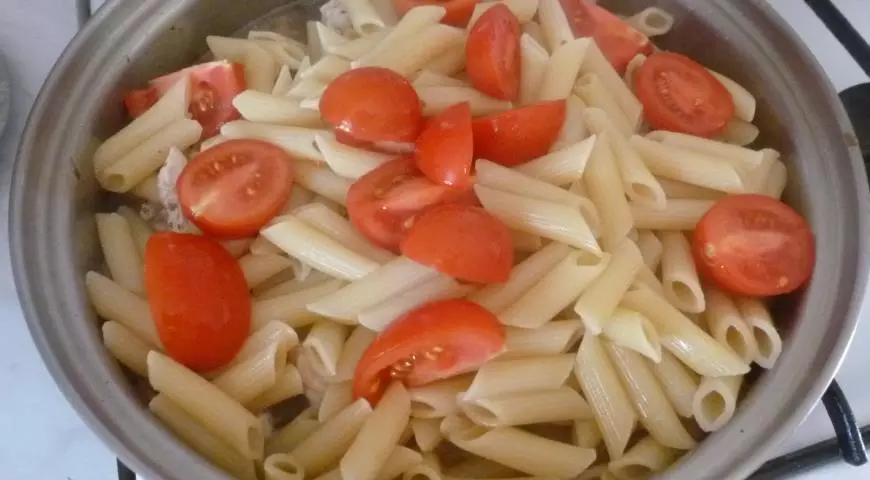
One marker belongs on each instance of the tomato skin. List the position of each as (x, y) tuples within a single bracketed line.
[(445, 149), (618, 41), (236, 187), (680, 95), (754, 245), (519, 135), (198, 298), (463, 242), (139, 101), (492, 54), (458, 11), (439, 340), (373, 104)]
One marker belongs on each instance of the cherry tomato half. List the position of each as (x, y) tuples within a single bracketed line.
[(754, 245), (618, 41), (445, 149), (373, 104), (462, 241), (236, 187), (493, 54), (519, 135), (198, 298), (436, 341), (384, 203), (680, 95), (213, 87), (458, 11)]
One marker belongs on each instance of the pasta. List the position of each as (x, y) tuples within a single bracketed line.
[(675, 189), (591, 89), (767, 339), (585, 434), (595, 63), (259, 268), (113, 302), (323, 345), (326, 220), (744, 159), (727, 326), (738, 132), (524, 10), (292, 434), (336, 397), (534, 58), (689, 166), (563, 68), (744, 101), (715, 401), (678, 215), (429, 468), (329, 442), (351, 352), (646, 458), (652, 21), (363, 16), (401, 460), (679, 273), (650, 248), (545, 406), (573, 128), (346, 161), (441, 287), (678, 382), (246, 380), (415, 21), (629, 329), (125, 346), (322, 181), (436, 99), (120, 251), (378, 436), (519, 375), (287, 384), (412, 54), (438, 399), (554, 24), (262, 107), (291, 308), (599, 300), (549, 339), (281, 466), (561, 166), (605, 189)]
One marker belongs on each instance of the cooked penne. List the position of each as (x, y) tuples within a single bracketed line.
[(604, 186), (738, 132), (679, 214), (322, 181), (524, 10), (675, 189), (288, 437), (493, 175), (287, 384), (227, 48), (648, 279), (599, 300), (585, 434), (543, 406), (563, 166), (297, 141), (363, 16), (323, 345), (715, 401), (346, 161), (378, 436), (551, 338), (326, 69), (147, 189), (573, 128), (629, 329), (767, 339), (429, 468), (412, 23), (427, 78), (126, 347), (533, 29), (335, 399), (744, 102), (356, 48), (450, 62), (679, 273), (249, 379), (592, 91), (411, 54), (528, 242), (281, 466), (353, 350), (679, 335), (775, 182), (678, 382), (259, 268), (554, 23), (556, 291), (115, 303), (321, 39), (441, 287), (650, 248), (120, 251), (290, 282), (438, 399), (436, 99), (689, 166), (291, 308), (652, 21), (563, 69), (261, 70), (427, 434), (338, 228), (262, 107), (646, 458), (283, 82), (596, 63), (534, 60), (727, 326), (261, 246), (386, 10), (632, 68), (329, 442), (400, 461), (744, 159), (306, 88), (528, 374)]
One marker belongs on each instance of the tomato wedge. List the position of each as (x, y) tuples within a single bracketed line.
[(198, 298), (618, 41), (445, 149), (213, 87), (458, 11), (439, 340), (373, 104), (236, 187), (754, 245), (680, 95), (519, 135), (462, 241), (493, 53)]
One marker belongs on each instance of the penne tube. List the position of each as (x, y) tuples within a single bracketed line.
[(631, 70), (556, 291), (236, 247), (590, 88), (346, 161), (126, 347), (322, 181), (651, 403), (338, 228), (304, 89), (259, 268), (767, 339), (554, 23), (261, 70), (428, 78), (412, 23), (335, 399), (290, 309), (563, 69), (427, 434), (227, 48), (563, 166), (678, 215), (689, 166), (478, 467), (740, 133), (378, 436), (120, 251), (502, 377), (247, 380), (261, 338), (441, 287), (493, 175), (326, 69), (290, 282), (601, 297), (675, 189), (610, 403), (585, 434), (550, 339), (323, 346), (776, 180), (534, 59), (679, 335), (429, 468), (288, 437), (604, 186), (727, 326), (438, 399), (678, 382), (527, 242), (573, 128), (631, 330), (652, 21), (320, 39), (262, 107), (401, 460), (449, 62), (534, 30), (283, 82), (436, 99), (281, 466), (357, 343), (329, 442), (387, 11), (297, 141), (357, 48), (363, 16), (679, 273), (413, 53), (744, 102), (715, 401), (545, 406), (261, 246), (288, 384), (115, 303), (596, 63), (646, 458), (650, 248), (147, 189), (744, 159), (524, 10), (646, 277)]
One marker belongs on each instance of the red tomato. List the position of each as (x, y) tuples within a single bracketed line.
[(445, 149), (233, 189), (199, 299), (458, 11), (519, 135), (438, 340), (373, 104), (213, 87), (493, 54), (461, 241), (754, 245), (619, 41), (384, 203), (680, 95)]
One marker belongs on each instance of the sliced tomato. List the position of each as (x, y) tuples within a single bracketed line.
[(373, 104), (463, 242), (519, 135), (680, 95), (439, 340), (236, 187), (445, 149), (619, 41), (198, 298), (492, 54), (384, 203), (754, 245), (458, 11), (213, 87)]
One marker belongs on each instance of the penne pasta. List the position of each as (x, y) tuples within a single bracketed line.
[(287, 384), (400, 461), (590, 88), (650, 248), (378, 436), (689, 166), (646, 458), (357, 343), (534, 30), (115, 303), (631, 330), (604, 186), (412, 23), (427, 78), (573, 128), (281, 466), (652, 21), (585, 434), (288, 437), (601, 297), (744, 159), (386, 10), (126, 347), (259, 268), (338, 228), (321, 39), (441, 287), (261, 70), (290, 282), (147, 189), (727, 326), (323, 344), (595, 63), (776, 180), (544, 406), (120, 251), (329, 442), (738, 132), (335, 399), (715, 401), (436, 99), (297, 141), (554, 23), (493, 175), (679, 383), (363, 16), (767, 338), (450, 62), (679, 273), (290, 308), (680, 214), (675, 189), (563, 69), (534, 60), (744, 102), (322, 181), (551, 338), (411, 54), (524, 10), (438, 399), (262, 107), (348, 162), (632, 68), (562, 166), (529, 374), (249, 379), (283, 82), (429, 468), (326, 69), (427, 434), (527, 242)]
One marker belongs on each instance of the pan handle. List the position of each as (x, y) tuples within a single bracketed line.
[(849, 439), (83, 11)]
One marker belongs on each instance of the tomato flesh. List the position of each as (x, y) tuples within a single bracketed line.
[(439, 340), (493, 54), (458, 11), (754, 245), (519, 135), (236, 187), (618, 41), (680, 95), (445, 149), (213, 87), (198, 298), (373, 104)]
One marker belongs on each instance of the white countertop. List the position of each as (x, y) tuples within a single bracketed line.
[(43, 439)]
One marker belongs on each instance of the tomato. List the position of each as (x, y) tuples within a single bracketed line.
[(384, 203), (458, 11), (198, 298), (754, 245), (373, 104), (618, 41), (493, 54), (680, 95), (445, 149), (213, 87), (439, 340), (236, 187), (519, 135), (464, 242)]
